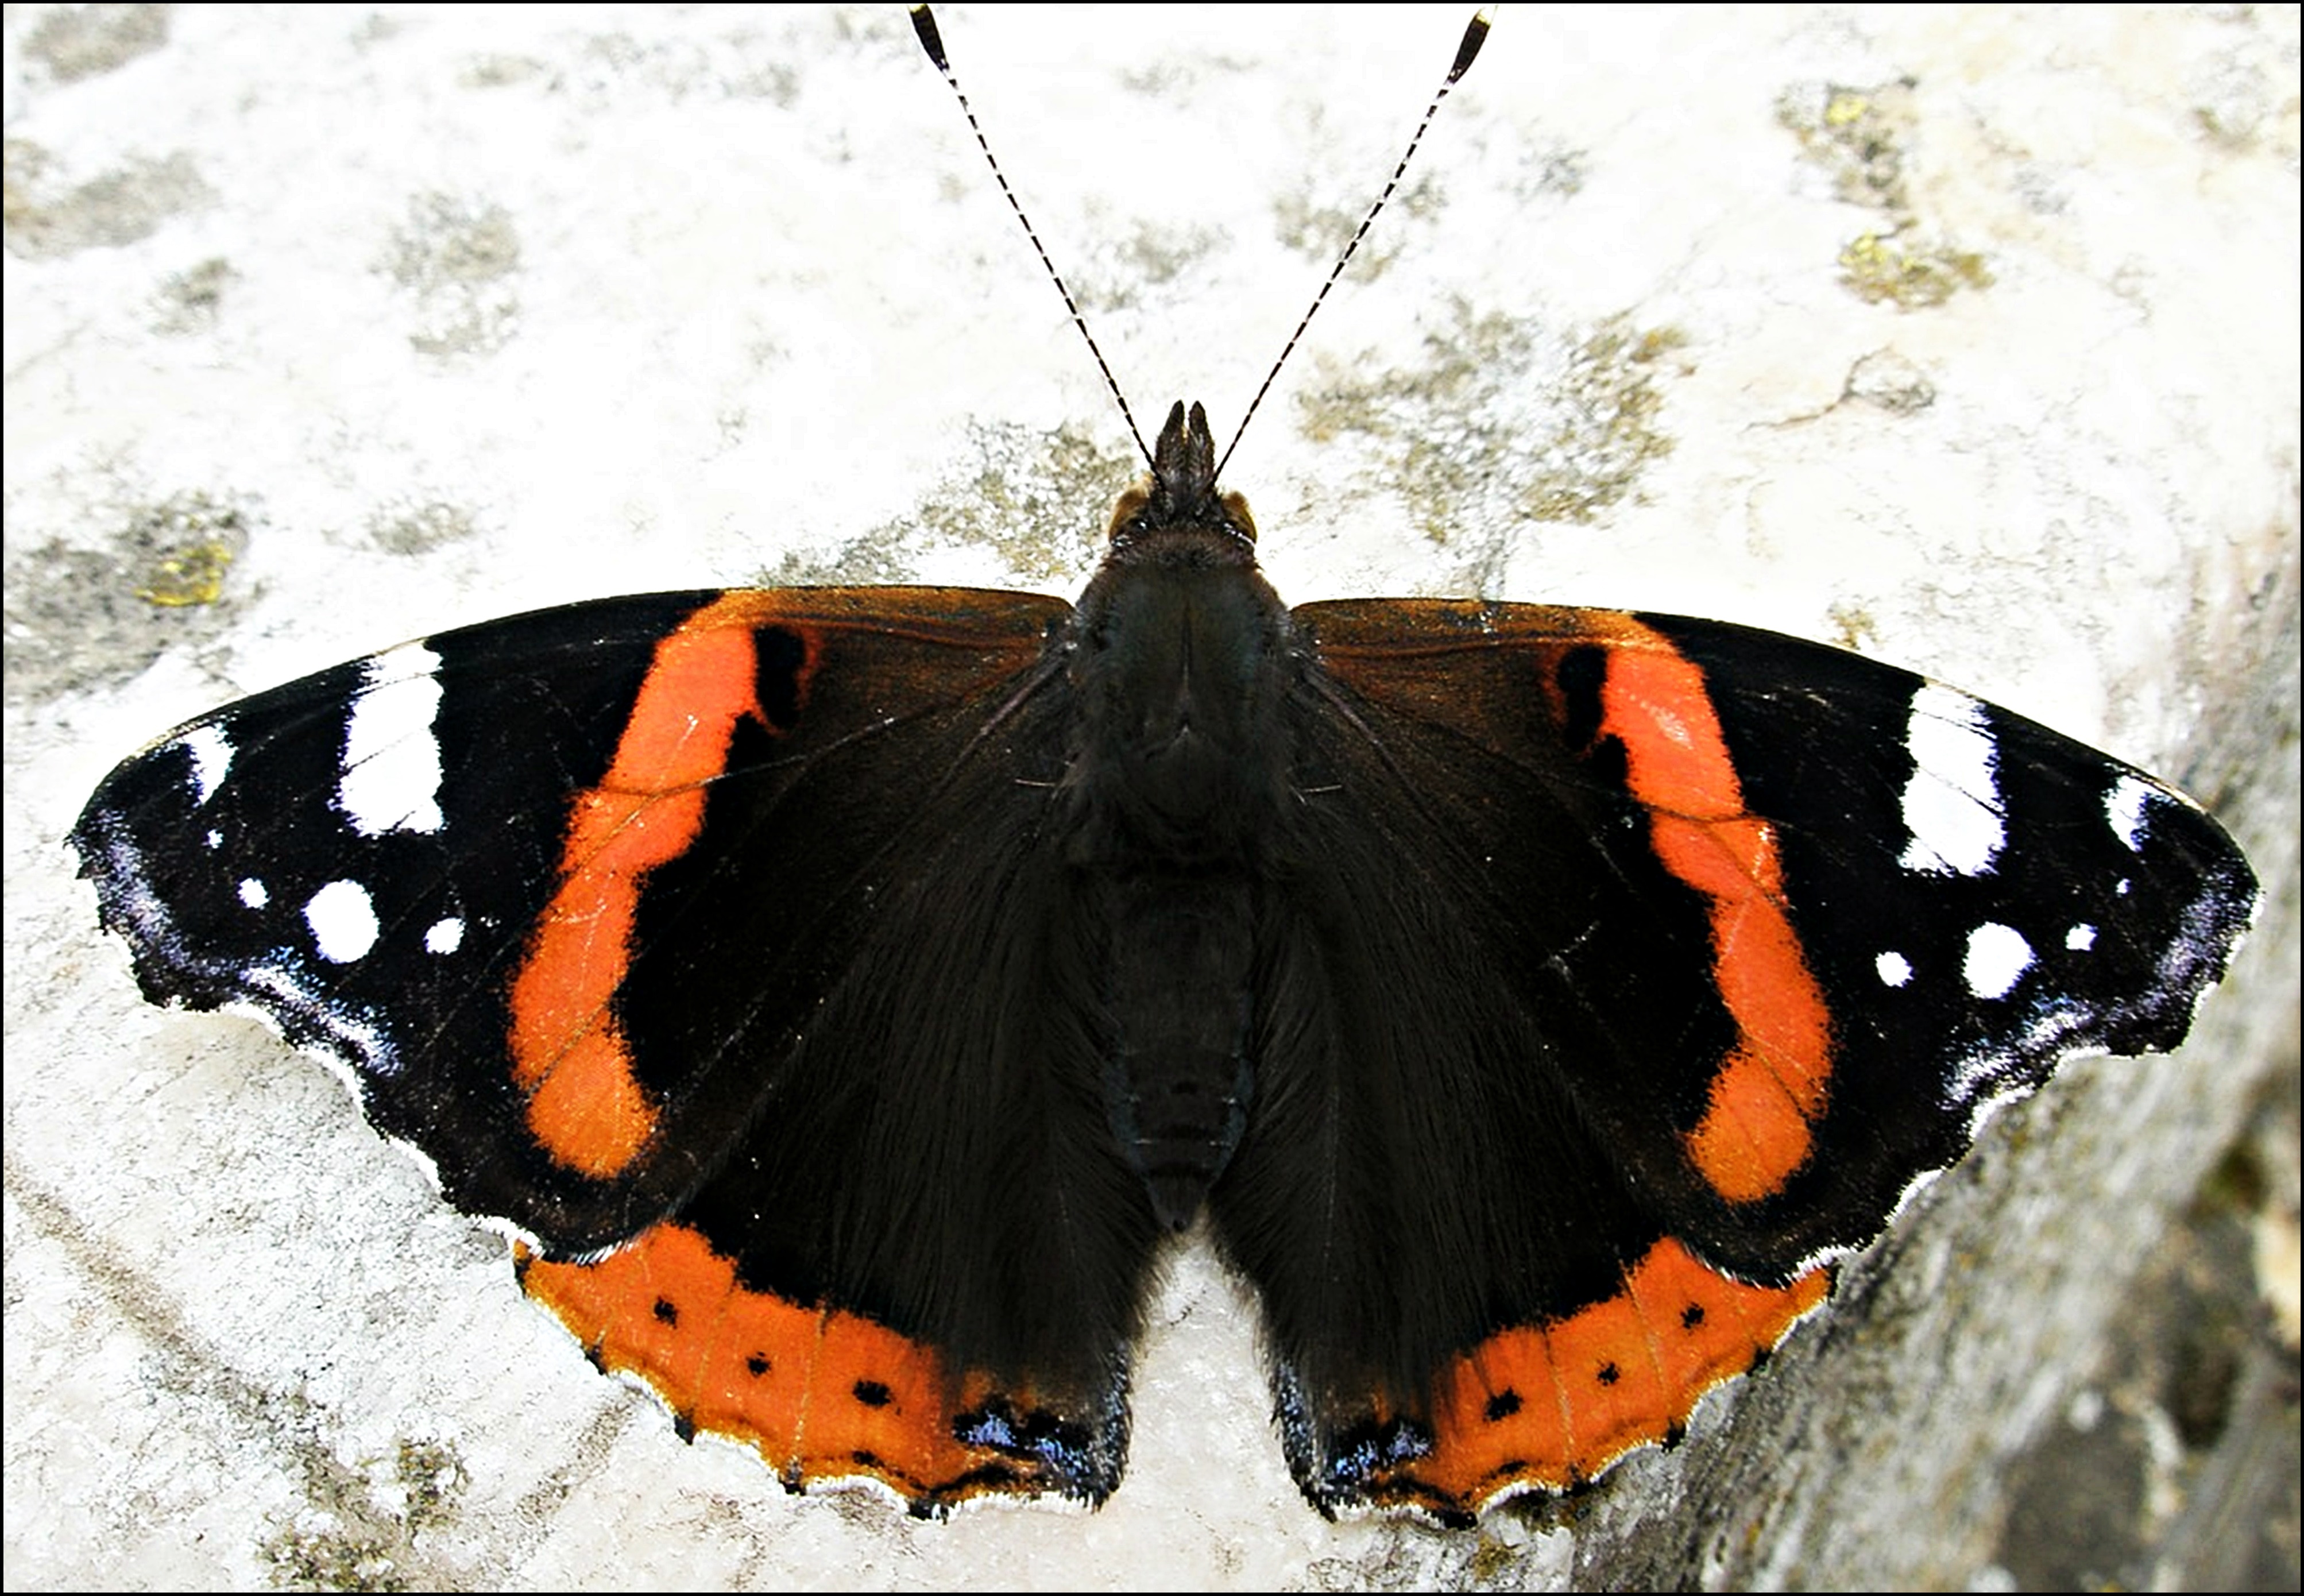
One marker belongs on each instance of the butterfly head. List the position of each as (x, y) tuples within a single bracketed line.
[(1180, 497)]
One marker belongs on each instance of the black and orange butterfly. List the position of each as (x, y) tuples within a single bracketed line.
[(847, 992)]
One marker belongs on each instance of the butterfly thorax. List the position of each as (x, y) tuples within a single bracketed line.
[(1180, 658)]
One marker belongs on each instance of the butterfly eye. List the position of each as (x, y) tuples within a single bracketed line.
[(1236, 515), (1128, 515)]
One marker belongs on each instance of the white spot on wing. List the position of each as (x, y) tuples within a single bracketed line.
[(253, 894), (211, 752), (283, 993), (2123, 806), (2080, 938), (1951, 803), (446, 936), (391, 778), (1894, 969), (1997, 958), (343, 921)]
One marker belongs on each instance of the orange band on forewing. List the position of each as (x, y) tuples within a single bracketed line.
[(586, 1107), (821, 1394), (1550, 1408), (1769, 1090)]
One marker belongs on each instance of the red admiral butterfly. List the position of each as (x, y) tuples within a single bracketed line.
[(847, 992)]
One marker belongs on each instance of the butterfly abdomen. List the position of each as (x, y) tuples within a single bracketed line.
[(1179, 1079)]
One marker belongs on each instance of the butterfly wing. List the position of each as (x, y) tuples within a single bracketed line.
[(640, 918), (1594, 856)]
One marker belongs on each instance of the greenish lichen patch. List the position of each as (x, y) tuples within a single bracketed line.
[(188, 574), (1039, 499), (1880, 269), (1459, 437), (1146, 259), (738, 63), (185, 545), (86, 41), (191, 301), (1856, 134), (1854, 627), (458, 260), (358, 1528), (1320, 233), (884, 556), (1862, 137), (419, 527), (43, 218), (82, 617)]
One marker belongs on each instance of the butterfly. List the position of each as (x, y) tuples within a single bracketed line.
[(849, 993)]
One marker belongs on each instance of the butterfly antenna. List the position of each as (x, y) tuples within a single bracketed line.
[(924, 24), (1476, 34)]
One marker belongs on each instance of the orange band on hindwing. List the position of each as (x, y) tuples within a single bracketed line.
[(1550, 1406), (820, 1394)]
